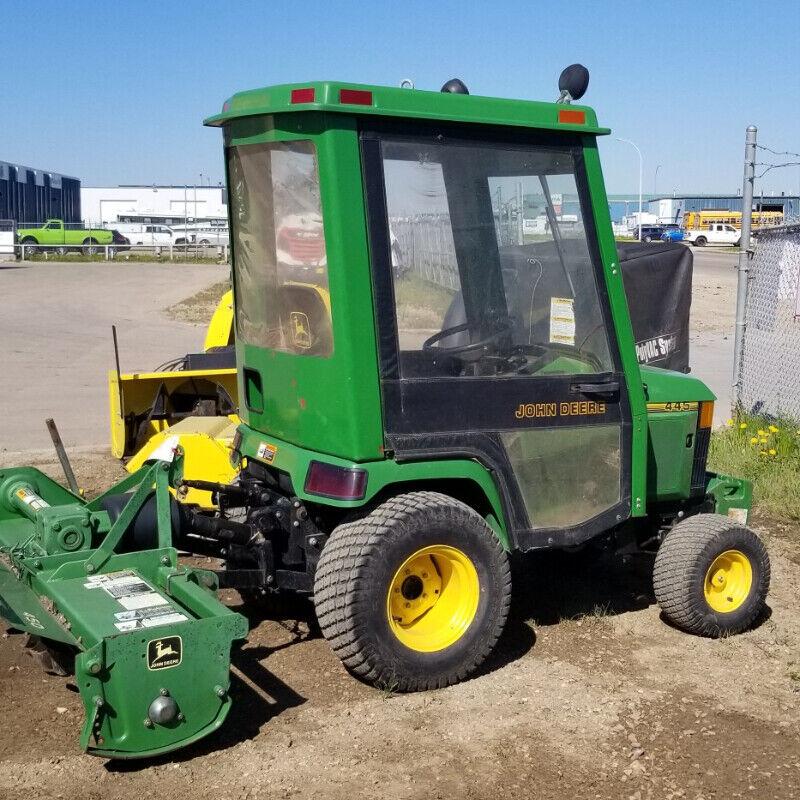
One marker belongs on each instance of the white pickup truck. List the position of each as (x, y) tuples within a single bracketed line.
[(716, 233)]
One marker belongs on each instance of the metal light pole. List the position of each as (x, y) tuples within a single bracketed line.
[(641, 170), (744, 258), (655, 179)]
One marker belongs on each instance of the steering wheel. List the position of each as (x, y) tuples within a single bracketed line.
[(473, 348)]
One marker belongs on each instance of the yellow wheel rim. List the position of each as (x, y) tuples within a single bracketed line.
[(433, 598), (728, 581)]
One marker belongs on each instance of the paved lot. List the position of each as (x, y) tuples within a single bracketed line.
[(56, 322), (55, 330), (712, 323)]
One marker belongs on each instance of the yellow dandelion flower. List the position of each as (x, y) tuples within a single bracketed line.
[(773, 451), (761, 433), (743, 425), (754, 440), (774, 429), (729, 423), (762, 440)]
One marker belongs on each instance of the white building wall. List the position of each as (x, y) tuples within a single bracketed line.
[(667, 209), (104, 204)]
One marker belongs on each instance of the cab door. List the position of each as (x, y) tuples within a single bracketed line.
[(496, 339)]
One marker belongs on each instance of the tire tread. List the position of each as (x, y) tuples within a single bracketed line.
[(338, 602), (680, 566)]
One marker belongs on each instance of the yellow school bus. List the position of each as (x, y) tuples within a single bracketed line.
[(701, 220)]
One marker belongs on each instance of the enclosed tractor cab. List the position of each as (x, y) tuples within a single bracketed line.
[(403, 430)]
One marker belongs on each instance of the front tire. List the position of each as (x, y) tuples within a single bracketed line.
[(414, 595), (700, 241), (711, 576)]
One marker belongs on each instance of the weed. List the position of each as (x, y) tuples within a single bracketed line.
[(767, 452), (387, 687)]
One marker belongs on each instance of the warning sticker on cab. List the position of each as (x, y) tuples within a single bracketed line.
[(562, 320), (266, 452)]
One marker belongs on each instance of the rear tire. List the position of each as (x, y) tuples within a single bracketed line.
[(31, 245), (90, 247), (711, 576), (414, 595)]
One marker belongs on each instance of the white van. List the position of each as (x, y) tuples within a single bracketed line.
[(202, 235), (146, 234)]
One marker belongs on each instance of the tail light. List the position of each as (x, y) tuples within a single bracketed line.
[(356, 97), (337, 483)]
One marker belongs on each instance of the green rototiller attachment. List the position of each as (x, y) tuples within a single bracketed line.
[(99, 583)]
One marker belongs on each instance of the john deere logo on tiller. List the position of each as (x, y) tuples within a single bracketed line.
[(164, 653)]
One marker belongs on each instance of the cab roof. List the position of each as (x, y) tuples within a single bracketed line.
[(354, 98)]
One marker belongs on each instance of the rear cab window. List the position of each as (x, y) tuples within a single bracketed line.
[(280, 261)]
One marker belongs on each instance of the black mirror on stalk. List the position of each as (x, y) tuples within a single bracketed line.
[(573, 83)]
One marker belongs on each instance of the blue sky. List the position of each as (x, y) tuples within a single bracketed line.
[(114, 92)]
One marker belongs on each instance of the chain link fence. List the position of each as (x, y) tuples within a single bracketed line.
[(769, 372)]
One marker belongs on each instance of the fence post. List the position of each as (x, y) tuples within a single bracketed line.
[(745, 253)]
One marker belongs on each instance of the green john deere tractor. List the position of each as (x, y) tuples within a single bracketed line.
[(436, 368)]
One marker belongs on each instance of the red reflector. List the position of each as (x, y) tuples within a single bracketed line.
[(339, 483), (303, 95), (356, 97), (572, 117)]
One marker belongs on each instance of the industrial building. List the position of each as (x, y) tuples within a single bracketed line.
[(30, 196), (166, 205)]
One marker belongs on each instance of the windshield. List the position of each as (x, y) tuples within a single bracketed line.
[(280, 264), (492, 268)]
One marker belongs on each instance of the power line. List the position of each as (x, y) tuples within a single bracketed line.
[(778, 152), (774, 166)]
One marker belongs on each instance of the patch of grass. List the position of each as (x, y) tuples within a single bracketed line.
[(387, 688), (200, 307), (148, 258), (767, 452), (420, 303), (601, 610)]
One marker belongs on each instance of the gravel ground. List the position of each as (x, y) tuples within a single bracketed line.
[(589, 695)]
